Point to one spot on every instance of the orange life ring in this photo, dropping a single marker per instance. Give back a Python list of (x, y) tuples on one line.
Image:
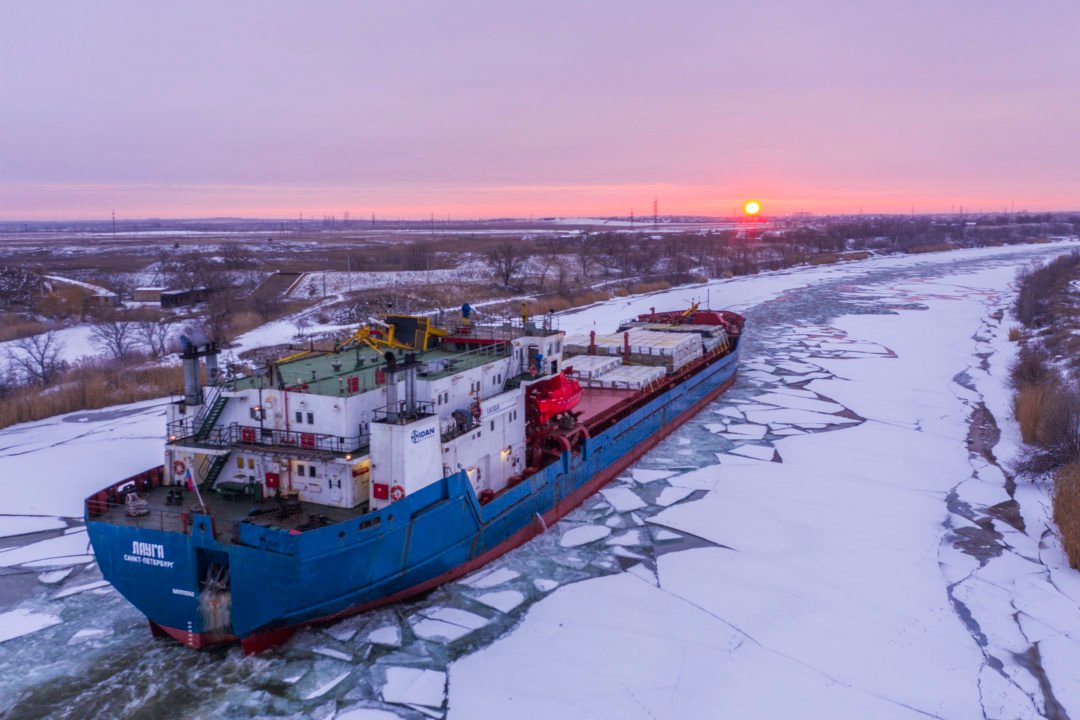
[(396, 492), (178, 467)]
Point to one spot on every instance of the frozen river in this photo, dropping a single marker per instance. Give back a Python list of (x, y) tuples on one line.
[(837, 536)]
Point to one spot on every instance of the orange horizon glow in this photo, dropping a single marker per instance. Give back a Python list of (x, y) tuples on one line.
[(67, 202)]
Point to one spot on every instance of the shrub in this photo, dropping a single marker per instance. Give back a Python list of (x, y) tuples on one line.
[(1031, 367), (1067, 509), (1015, 333), (88, 386)]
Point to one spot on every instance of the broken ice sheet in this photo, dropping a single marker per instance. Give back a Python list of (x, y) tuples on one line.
[(20, 622), (61, 550), (797, 417), (54, 576), (490, 578), (622, 499), (326, 686), (630, 537), (747, 431), (672, 495), (502, 600), (758, 452), (366, 714), (389, 635), (644, 475), (799, 403), (11, 525), (445, 623), (76, 589), (414, 686), (583, 535)]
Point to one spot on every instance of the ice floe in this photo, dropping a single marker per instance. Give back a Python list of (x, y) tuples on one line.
[(490, 577), (445, 623), (644, 475), (622, 499), (389, 635), (11, 525), (19, 622), (503, 600), (583, 534), (414, 686)]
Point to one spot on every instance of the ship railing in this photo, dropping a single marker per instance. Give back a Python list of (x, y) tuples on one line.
[(402, 415), (251, 435), (189, 425), (110, 504)]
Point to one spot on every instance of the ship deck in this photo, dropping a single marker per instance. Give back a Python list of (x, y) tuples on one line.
[(225, 510), (597, 403)]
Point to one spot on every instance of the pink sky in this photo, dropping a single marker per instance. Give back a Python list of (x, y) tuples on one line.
[(481, 109)]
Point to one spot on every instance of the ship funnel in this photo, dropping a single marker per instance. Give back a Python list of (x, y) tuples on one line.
[(410, 385), (189, 355), (391, 387), (194, 345)]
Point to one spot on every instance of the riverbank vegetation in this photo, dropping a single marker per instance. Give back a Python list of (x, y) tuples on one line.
[(1046, 380)]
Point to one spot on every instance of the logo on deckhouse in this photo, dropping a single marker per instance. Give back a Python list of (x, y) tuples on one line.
[(418, 435)]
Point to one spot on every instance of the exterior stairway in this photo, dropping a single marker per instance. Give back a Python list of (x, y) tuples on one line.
[(209, 470), (206, 424)]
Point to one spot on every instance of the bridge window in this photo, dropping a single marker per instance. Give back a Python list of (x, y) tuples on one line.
[(299, 416), (311, 418), (300, 470)]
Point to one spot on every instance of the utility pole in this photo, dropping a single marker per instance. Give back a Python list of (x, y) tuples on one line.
[(655, 213), (631, 219), (114, 225)]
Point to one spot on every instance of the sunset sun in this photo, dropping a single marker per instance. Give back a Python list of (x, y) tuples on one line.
[(752, 207)]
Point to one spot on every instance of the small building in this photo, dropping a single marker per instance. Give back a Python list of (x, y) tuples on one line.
[(182, 298), (147, 294)]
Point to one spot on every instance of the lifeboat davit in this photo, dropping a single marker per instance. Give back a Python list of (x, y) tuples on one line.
[(553, 396)]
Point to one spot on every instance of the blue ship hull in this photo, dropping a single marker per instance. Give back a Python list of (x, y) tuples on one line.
[(281, 580)]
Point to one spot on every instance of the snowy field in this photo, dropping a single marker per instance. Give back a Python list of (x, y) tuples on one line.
[(828, 539)]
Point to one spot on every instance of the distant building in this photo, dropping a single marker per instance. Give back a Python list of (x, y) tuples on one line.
[(182, 298), (147, 294), (170, 298)]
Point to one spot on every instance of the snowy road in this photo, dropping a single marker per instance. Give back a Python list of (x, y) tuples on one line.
[(831, 538)]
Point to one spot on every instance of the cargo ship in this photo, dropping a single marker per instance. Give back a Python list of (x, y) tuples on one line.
[(336, 480)]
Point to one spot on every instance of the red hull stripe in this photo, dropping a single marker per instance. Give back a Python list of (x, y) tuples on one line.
[(266, 640)]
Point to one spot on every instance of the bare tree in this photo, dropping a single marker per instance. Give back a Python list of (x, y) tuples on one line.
[(114, 336), (505, 260), (236, 256), (218, 317), (154, 334), (37, 357), (121, 284), (585, 248)]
